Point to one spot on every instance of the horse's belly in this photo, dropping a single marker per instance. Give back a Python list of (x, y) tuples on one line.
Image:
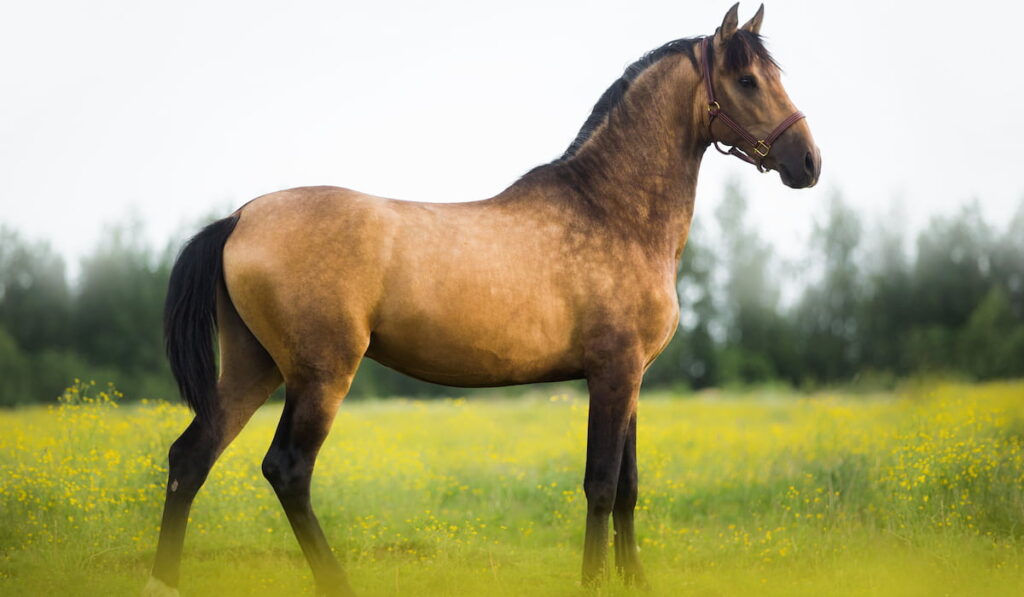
[(478, 347)]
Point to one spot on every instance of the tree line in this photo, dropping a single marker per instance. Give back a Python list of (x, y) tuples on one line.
[(863, 305), (867, 306)]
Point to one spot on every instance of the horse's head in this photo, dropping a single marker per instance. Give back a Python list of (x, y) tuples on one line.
[(748, 107)]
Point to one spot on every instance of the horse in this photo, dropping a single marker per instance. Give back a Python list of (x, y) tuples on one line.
[(569, 273)]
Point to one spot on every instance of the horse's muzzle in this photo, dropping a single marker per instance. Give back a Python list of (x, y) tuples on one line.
[(800, 169)]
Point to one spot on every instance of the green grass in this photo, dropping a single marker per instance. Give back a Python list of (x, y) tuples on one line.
[(914, 493)]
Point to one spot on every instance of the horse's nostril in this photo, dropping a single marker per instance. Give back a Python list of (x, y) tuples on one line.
[(809, 163)]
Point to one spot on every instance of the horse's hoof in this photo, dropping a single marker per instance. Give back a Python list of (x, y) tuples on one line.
[(635, 578), (156, 588), (640, 584)]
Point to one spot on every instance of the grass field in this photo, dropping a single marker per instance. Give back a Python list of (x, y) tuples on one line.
[(915, 493)]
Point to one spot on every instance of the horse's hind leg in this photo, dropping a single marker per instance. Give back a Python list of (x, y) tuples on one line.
[(311, 401), (248, 376)]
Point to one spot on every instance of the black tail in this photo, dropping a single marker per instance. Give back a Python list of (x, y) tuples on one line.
[(190, 315)]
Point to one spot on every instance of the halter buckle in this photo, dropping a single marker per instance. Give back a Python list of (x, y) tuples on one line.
[(714, 108), (762, 152)]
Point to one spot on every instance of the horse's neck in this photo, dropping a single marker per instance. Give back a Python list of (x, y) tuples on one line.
[(639, 169)]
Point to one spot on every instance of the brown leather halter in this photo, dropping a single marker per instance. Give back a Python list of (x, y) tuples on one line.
[(760, 147)]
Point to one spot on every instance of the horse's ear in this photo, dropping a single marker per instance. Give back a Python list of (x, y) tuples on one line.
[(729, 24), (754, 24)]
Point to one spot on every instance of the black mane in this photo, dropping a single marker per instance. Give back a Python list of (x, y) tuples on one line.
[(742, 50)]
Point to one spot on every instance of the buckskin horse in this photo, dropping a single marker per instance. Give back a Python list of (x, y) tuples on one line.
[(569, 273)]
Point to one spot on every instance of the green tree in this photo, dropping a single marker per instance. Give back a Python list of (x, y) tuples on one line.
[(950, 278), (120, 307), (15, 371), (827, 315), (1008, 261), (887, 309), (757, 345), (35, 302), (991, 344)]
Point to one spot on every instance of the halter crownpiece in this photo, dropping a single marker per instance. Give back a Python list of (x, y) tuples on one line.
[(760, 147)]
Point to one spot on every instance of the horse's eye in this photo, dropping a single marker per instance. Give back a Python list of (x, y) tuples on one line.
[(748, 82)]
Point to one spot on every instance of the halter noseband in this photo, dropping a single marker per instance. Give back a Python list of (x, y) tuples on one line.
[(761, 147)]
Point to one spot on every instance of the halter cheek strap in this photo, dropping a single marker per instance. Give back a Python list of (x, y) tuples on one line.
[(759, 147)]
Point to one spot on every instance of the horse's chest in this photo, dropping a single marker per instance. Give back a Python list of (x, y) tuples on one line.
[(645, 315)]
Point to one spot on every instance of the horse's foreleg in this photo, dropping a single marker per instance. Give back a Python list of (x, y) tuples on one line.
[(613, 394), (309, 410), (626, 557)]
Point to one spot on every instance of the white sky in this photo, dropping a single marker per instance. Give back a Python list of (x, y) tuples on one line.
[(172, 110)]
